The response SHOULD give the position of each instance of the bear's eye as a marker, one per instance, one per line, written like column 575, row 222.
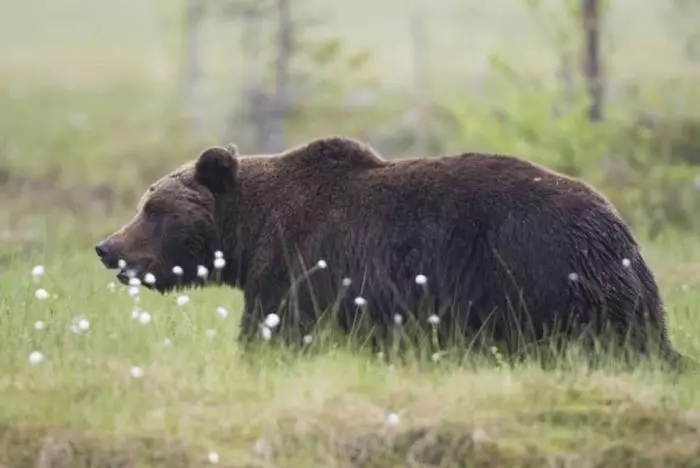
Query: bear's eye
column 150, row 208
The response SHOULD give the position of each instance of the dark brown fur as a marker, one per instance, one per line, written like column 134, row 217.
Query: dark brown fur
column 496, row 236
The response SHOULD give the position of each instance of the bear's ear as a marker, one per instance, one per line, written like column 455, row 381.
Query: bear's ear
column 216, row 169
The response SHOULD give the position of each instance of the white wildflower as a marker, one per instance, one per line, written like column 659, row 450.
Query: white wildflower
column 149, row 278
column 144, row 318
column 433, row 319
column 210, row 333
column 167, row 342
column 83, row 324
column 222, row 312
column 346, row 282
column 322, row 264
column 177, row 270
column 136, row 372
column 38, row 271
column 134, row 281
column 218, row 254
column 308, row 339
column 182, row 300
column 134, row 291
column 398, row 319
column 392, row 419
column 39, row 325
column 421, row 279
column 111, row 286
column 202, row 271
column 41, row 294
column 213, row 458
column 360, row 301
column 573, row 277
column 272, row 320
column 626, row 262
column 266, row 333
column 35, row 357
column 121, row 263
column 219, row 263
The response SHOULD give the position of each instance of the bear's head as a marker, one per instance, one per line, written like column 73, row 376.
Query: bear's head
column 176, row 224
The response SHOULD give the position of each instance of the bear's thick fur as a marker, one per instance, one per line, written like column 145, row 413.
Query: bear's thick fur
column 504, row 244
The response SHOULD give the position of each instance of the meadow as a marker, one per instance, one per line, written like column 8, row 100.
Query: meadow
column 91, row 376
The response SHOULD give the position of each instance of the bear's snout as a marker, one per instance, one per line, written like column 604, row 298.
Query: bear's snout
column 106, row 251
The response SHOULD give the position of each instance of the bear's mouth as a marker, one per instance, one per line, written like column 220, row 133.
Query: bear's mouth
column 125, row 275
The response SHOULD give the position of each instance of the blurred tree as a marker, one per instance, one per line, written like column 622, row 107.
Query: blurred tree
column 592, row 67
column 685, row 18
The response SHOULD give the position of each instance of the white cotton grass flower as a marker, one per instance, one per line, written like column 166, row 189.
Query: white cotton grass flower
column 393, row 419
column 202, row 271
column 360, row 301
column 398, row 319
column 134, row 291
column 39, row 325
column 135, row 312
column 213, row 457
column 308, row 339
column 38, row 271
column 218, row 254
column 177, row 270
column 626, row 262
column 219, row 263
column 41, row 294
column 222, row 312
column 144, row 318
column 573, row 276
column 210, row 333
column 346, row 282
column 136, row 372
column 421, row 280
column 36, row 357
column 182, row 300
column 111, row 287
column 149, row 278
column 167, row 342
column 322, row 264
column 272, row 320
column 81, row 324
column 134, row 281
column 266, row 333
column 121, row 263
column 433, row 319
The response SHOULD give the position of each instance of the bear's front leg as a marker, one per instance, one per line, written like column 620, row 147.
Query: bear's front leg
column 276, row 311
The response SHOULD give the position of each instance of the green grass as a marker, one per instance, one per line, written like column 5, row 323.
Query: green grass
column 323, row 409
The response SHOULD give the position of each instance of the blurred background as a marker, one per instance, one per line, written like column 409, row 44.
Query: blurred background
column 99, row 98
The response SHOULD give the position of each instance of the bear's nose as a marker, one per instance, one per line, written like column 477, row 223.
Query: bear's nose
column 102, row 249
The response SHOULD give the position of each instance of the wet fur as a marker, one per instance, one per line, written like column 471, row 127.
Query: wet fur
column 496, row 236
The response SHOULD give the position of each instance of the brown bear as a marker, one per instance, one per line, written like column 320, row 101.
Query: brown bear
column 466, row 242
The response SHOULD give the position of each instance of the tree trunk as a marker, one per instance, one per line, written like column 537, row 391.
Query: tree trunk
column 590, row 16
column 279, row 104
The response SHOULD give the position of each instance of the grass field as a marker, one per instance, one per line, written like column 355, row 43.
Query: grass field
column 84, row 404
column 85, row 107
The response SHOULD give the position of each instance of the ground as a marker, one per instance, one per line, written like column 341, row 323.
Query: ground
column 194, row 394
